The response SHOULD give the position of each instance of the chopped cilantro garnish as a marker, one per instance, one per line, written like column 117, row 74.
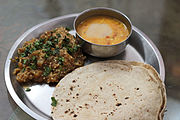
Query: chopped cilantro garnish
column 46, row 45
column 46, row 56
column 23, row 55
column 23, row 69
column 60, row 67
column 33, row 58
column 47, row 70
column 68, row 29
column 28, row 89
column 27, row 49
column 59, row 35
column 45, row 50
column 56, row 40
column 69, row 50
column 41, row 40
column 76, row 48
column 56, row 51
column 37, row 43
column 32, row 50
column 25, row 61
column 61, row 60
column 33, row 66
column 66, row 40
column 63, row 45
column 49, row 43
column 51, row 38
column 54, row 101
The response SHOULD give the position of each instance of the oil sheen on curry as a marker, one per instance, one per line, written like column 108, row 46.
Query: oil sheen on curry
column 103, row 30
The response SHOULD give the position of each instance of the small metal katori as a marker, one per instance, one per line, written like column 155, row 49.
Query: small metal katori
column 37, row 102
column 98, row 50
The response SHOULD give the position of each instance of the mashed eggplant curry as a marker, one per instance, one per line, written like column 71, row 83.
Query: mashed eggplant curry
column 48, row 58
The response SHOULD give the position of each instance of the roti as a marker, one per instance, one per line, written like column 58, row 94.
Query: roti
column 110, row 90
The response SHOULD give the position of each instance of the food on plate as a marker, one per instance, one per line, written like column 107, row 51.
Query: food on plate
column 49, row 57
column 110, row 90
column 103, row 30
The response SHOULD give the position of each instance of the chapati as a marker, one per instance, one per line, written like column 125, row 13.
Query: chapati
column 110, row 90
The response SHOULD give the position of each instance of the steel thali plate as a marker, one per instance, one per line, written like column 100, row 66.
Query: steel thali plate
column 37, row 102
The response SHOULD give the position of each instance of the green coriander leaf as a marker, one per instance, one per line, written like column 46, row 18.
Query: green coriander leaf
column 53, row 52
column 25, row 61
column 44, row 50
column 56, row 50
column 69, row 50
column 47, row 70
column 66, row 40
column 68, row 29
column 49, row 43
column 56, row 40
column 60, row 67
column 46, row 56
column 37, row 43
column 41, row 40
column 76, row 48
column 61, row 60
column 33, row 58
column 45, row 46
column 54, row 101
column 32, row 50
column 23, row 55
column 51, row 38
column 33, row 66
column 23, row 69
column 59, row 35
column 27, row 89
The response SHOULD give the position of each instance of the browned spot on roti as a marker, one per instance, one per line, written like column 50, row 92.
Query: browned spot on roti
column 66, row 111
column 126, row 98
column 95, row 96
column 71, row 88
column 118, row 104
column 74, row 115
column 74, row 81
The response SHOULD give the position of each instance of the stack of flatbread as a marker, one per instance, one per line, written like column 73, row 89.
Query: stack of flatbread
column 110, row 90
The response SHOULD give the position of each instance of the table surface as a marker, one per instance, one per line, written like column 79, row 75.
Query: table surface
column 158, row 19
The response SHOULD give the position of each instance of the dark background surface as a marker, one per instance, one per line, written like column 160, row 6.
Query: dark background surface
column 158, row 19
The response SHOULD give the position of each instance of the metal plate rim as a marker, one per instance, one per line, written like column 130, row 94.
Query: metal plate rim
column 156, row 51
column 18, row 41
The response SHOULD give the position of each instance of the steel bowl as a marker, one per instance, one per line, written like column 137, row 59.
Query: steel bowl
column 98, row 50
